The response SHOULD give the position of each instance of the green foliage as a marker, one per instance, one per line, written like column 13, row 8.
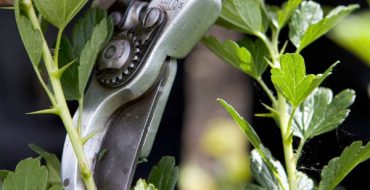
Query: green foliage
column 83, row 30
column 321, row 113
column 304, row 182
column 353, row 35
column 240, row 56
column 3, row 175
column 251, row 135
column 164, row 175
column 90, row 34
column 269, row 181
column 241, row 15
column 244, row 125
column 56, row 187
column 291, row 79
column 339, row 167
column 142, row 185
column 316, row 28
column 308, row 14
column 52, row 164
column 259, row 54
column 286, row 12
column 28, row 175
column 90, row 53
column 59, row 12
column 69, row 78
column 31, row 37
column 311, row 110
column 67, row 68
column 264, row 176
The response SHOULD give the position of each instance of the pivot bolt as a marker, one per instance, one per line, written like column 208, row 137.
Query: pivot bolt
column 153, row 17
column 115, row 55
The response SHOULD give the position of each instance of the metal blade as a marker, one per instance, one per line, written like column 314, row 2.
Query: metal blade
column 134, row 139
column 126, row 135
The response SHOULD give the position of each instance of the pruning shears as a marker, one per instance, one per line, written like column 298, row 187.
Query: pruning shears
column 131, row 83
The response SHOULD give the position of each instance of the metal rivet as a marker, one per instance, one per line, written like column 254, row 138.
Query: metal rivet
column 152, row 18
column 110, row 52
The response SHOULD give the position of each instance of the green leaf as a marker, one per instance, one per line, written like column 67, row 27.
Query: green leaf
column 69, row 78
column 84, row 28
column 32, row 38
column 164, row 175
column 59, row 12
column 259, row 53
column 304, row 182
column 251, row 135
column 242, row 15
column 339, row 167
column 232, row 53
column 321, row 77
column 322, row 113
column 240, row 57
column 353, row 34
column 320, row 28
column 244, row 125
column 264, row 176
column 56, row 187
column 286, row 12
column 53, row 11
column 82, row 33
column 28, row 175
column 3, row 175
column 291, row 79
column 141, row 185
column 309, row 13
column 52, row 164
column 90, row 53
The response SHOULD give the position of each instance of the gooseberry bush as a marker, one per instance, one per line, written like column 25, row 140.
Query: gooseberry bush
column 63, row 71
column 300, row 108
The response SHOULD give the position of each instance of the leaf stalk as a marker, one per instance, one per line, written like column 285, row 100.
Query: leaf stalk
column 287, row 142
column 267, row 90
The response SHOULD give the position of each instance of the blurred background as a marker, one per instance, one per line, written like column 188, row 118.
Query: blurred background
column 212, row 151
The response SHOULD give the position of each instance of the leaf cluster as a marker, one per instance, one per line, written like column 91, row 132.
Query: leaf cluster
column 29, row 174
column 65, row 70
column 76, row 58
column 300, row 107
column 163, row 176
column 89, row 36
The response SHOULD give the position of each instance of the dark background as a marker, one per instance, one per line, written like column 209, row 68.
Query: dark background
column 20, row 93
